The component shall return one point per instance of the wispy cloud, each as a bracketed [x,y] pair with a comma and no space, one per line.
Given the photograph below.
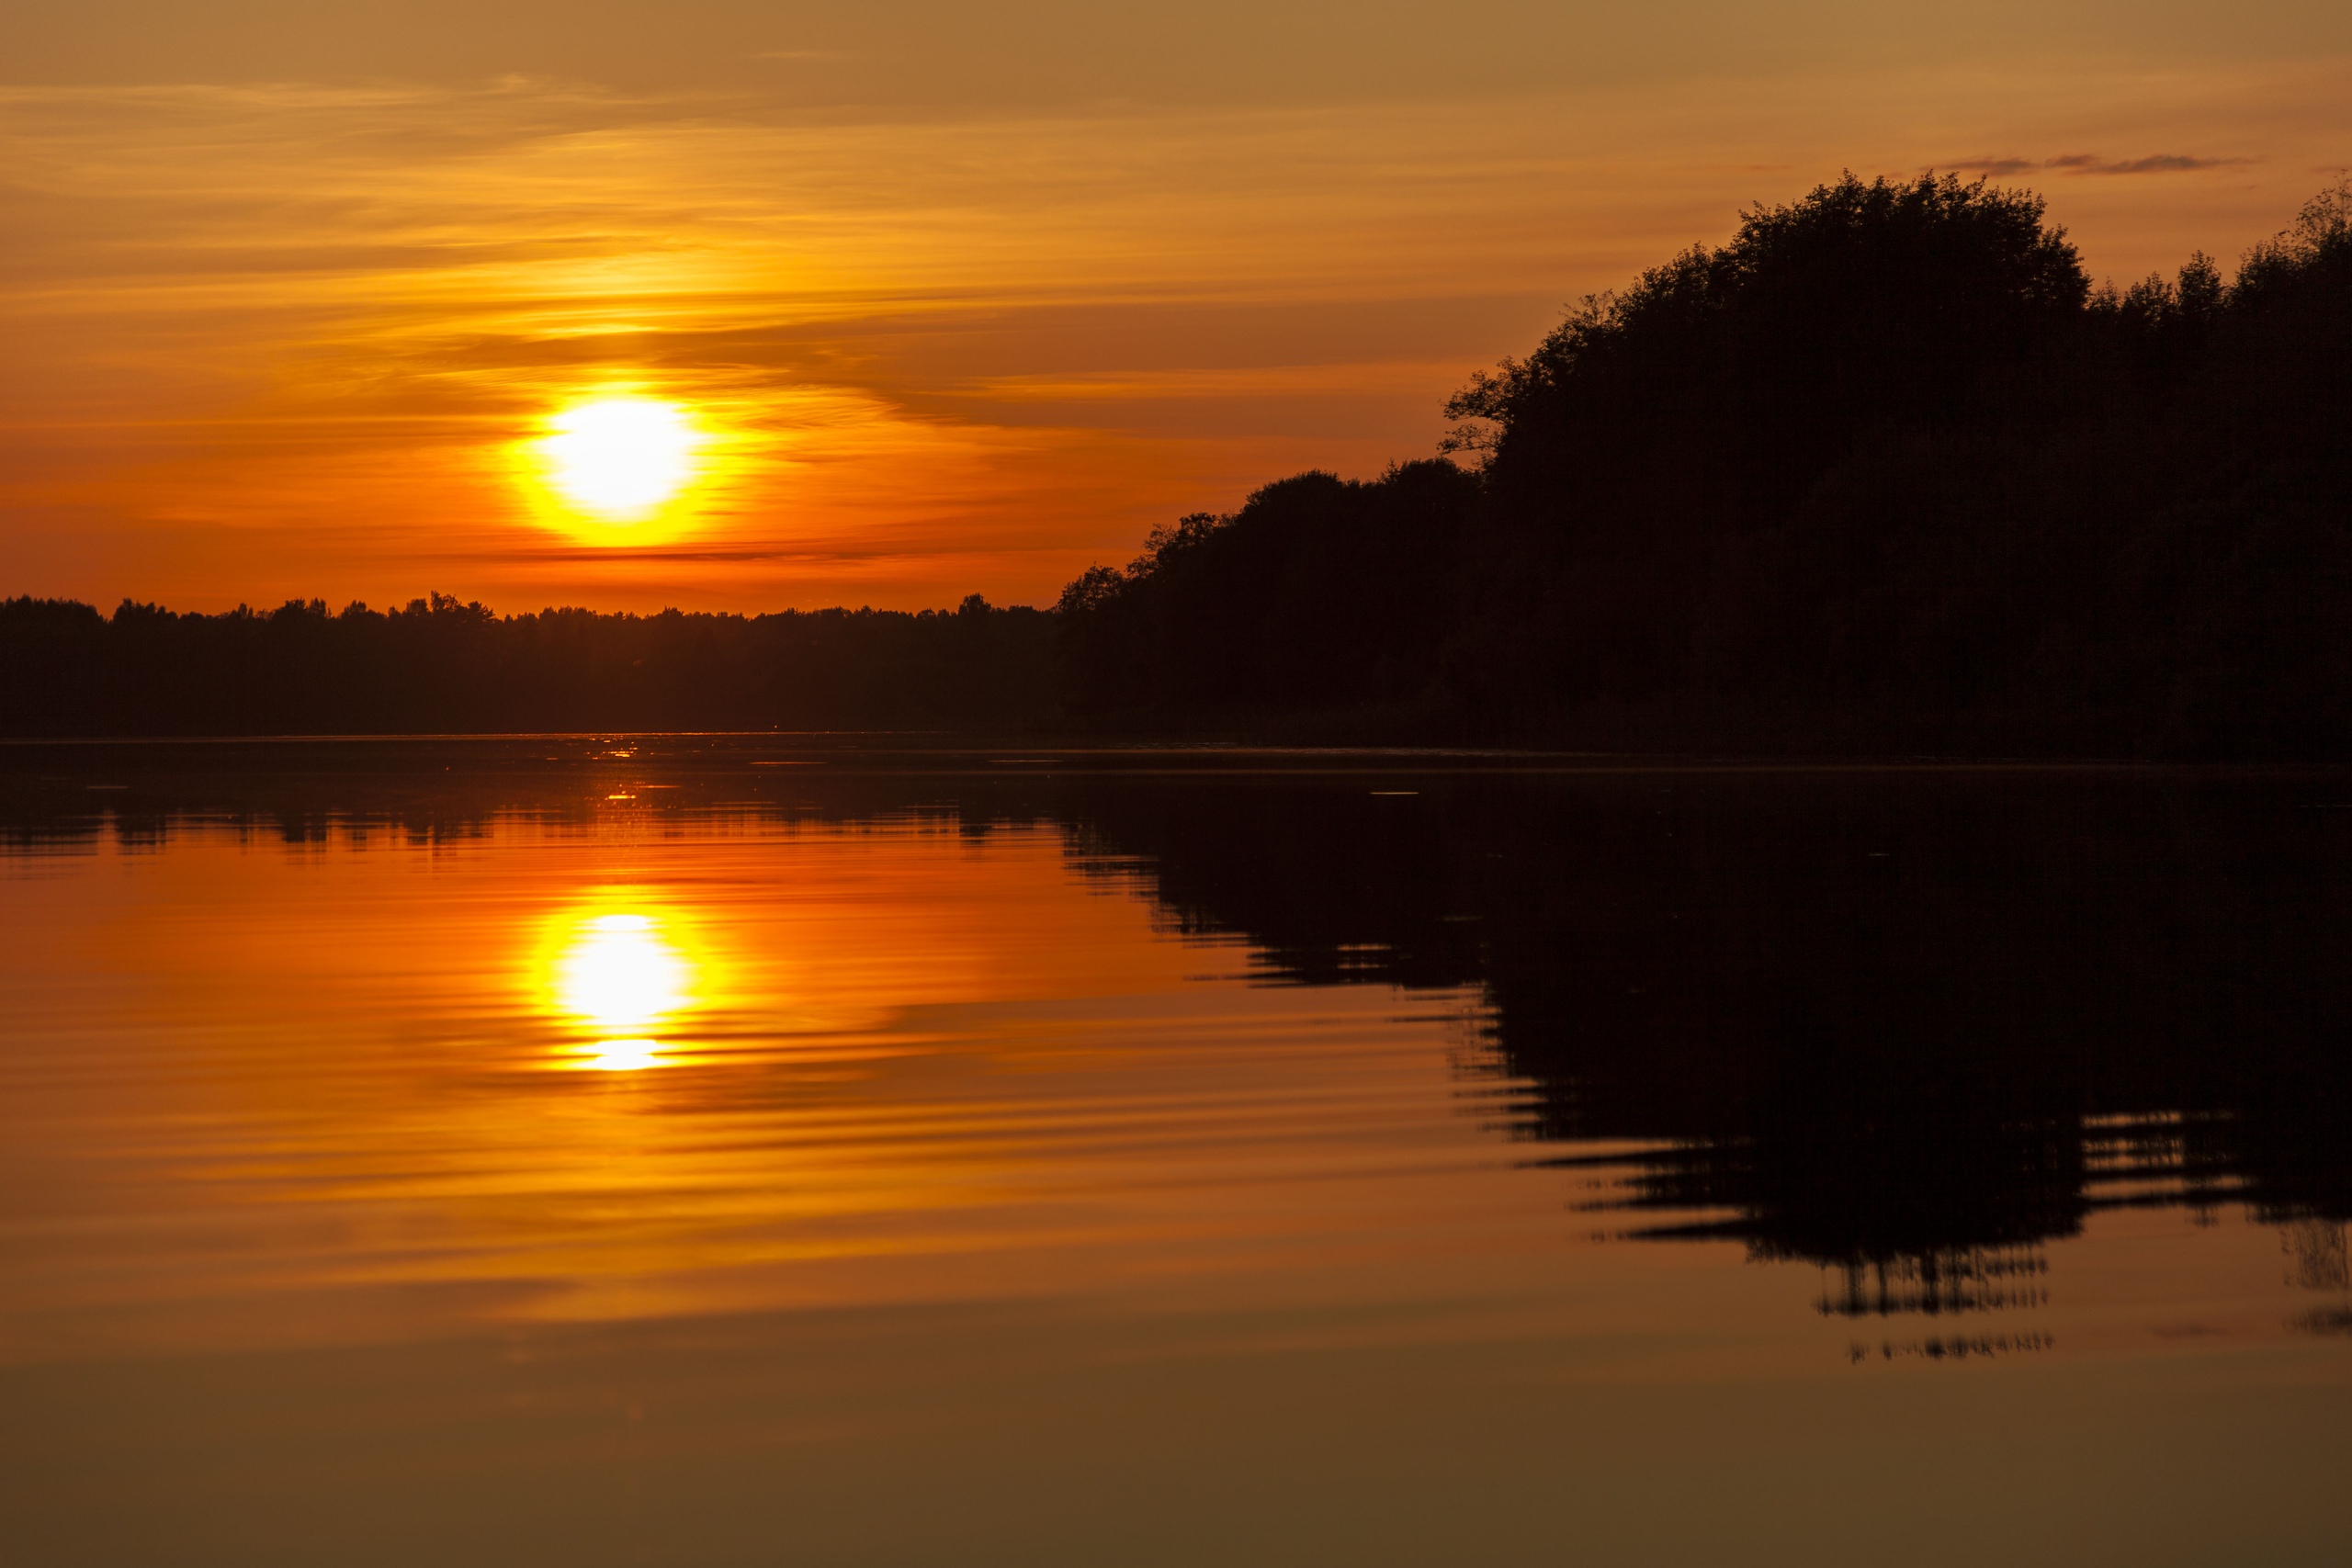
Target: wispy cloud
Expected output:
[2092,164]
[287,339]
[939,355]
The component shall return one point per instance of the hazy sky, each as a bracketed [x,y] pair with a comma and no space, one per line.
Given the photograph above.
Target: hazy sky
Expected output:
[963,297]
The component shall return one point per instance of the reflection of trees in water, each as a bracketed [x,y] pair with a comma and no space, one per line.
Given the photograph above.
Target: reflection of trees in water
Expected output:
[1951,1347]
[1905,1028]
[2315,1261]
[1973,1278]
[2314,1250]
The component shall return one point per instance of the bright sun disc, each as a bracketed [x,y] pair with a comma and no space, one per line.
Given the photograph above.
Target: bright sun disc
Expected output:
[621,456]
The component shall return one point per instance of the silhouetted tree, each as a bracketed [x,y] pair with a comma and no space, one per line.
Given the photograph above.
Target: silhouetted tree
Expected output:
[1319,594]
[1881,473]
[1884,472]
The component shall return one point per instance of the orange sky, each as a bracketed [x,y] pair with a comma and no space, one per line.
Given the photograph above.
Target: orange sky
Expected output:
[966,295]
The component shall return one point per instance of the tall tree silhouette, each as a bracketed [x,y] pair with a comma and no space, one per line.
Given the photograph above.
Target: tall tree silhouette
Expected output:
[1884,472]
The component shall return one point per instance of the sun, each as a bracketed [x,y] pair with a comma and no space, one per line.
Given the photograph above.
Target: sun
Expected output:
[621,459]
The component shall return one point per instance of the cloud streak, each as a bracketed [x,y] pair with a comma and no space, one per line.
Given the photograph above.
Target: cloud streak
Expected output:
[2091,163]
[280,340]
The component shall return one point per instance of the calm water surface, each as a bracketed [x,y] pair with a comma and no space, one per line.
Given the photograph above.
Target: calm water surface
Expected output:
[680,1151]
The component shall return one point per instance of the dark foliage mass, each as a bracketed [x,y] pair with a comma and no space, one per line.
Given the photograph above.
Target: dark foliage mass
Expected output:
[441,665]
[1320,593]
[1884,472]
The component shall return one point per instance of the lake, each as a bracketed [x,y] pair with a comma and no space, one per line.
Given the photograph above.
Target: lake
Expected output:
[846,1150]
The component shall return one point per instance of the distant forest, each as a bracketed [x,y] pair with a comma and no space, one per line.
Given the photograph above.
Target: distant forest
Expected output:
[439,666]
[1884,473]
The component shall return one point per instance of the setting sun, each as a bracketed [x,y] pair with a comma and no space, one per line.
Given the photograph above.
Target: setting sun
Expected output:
[620,457]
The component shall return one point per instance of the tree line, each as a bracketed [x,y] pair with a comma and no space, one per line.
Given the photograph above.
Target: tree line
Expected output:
[1885,472]
[437,665]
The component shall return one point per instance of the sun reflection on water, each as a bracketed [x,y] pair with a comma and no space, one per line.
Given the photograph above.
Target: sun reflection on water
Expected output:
[620,973]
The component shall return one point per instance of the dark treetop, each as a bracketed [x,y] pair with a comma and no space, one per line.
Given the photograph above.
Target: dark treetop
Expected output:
[1884,473]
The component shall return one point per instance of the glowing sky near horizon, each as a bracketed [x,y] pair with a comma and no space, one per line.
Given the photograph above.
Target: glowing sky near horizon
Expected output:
[952,298]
